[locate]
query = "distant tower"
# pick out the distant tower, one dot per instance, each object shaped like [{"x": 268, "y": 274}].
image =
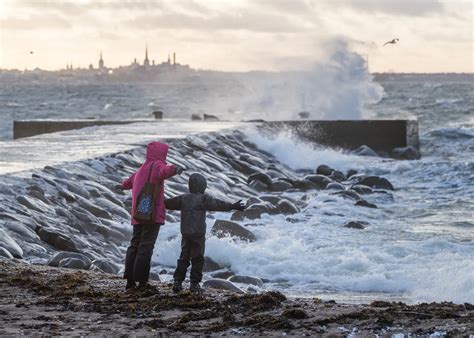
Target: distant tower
[
  {"x": 146, "y": 62},
  {"x": 153, "y": 62},
  {"x": 174, "y": 58},
  {"x": 101, "y": 62},
  {"x": 169, "y": 59}
]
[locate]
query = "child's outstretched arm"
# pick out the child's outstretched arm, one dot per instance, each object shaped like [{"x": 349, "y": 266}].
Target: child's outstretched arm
[
  {"x": 128, "y": 183},
  {"x": 173, "y": 203},
  {"x": 213, "y": 204},
  {"x": 167, "y": 171}
]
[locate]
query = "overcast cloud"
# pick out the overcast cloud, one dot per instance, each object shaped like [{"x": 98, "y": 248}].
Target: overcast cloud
[{"x": 237, "y": 35}]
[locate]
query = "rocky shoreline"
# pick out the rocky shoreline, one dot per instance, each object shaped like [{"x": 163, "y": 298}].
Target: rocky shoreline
[{"x": 43, "y": 300}]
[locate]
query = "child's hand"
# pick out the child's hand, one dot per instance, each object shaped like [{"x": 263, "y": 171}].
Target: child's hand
[
  {"x": 179, "y": 170},
  {"x": 118, "y": 187},
  {"x": 238, "y": 206}
]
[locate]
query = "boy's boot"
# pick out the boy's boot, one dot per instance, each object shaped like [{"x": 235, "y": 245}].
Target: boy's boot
[
  {"x": 177, "y": 286},
  {"x": 195, "y": 288},
  {"x": 130, "y": 285},
  {"x": 147, "y": 289}
]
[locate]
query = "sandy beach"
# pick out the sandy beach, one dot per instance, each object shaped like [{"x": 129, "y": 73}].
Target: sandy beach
[{"x": 42, "y": 300}]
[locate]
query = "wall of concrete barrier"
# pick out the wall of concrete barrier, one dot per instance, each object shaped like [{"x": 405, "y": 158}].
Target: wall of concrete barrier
[{"x": 380, "y": 135}]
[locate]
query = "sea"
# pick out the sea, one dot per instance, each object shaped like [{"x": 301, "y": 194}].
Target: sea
[{"x": 418, "y": 245}]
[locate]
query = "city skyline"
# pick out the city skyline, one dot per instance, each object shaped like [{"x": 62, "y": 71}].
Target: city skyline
[{"x": 434, "y": 36}]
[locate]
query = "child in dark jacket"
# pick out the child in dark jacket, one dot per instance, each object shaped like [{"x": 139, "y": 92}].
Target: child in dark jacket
[{"x": 193, "y": 208}]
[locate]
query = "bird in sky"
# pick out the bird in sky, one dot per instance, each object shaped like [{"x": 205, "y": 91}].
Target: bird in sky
[
  {"x": 394, "y": 41},
  {"x": 31, "y": 52}
]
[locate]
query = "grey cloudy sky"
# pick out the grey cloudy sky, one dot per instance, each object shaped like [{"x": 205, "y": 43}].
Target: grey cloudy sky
[{"x": 238, "y": 35}]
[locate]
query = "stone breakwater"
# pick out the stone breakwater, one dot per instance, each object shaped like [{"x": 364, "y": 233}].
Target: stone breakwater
[{"x": 70, "y": 215}]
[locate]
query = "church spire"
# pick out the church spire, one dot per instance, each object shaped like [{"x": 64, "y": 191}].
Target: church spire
[
  {"x": 101, "y": 61},
  {"x": 146, "y": 62}
]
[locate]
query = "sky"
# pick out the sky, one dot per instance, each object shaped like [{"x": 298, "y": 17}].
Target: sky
[{"x": 238, "y": 35}]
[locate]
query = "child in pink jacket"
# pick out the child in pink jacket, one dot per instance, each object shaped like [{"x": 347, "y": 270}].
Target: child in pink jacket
[{"x": 138, "y": 258}]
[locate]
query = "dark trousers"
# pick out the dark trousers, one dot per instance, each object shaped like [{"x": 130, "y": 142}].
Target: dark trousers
[
  {"x": 192, "y": 251},
  {"x": 138, "y": 258}
]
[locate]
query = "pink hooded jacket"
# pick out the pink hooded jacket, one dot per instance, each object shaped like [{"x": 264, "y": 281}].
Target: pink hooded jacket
[{"x": 156, "y": 161}]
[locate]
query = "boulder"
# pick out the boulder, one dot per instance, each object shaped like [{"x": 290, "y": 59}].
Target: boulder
[
  {"x": 320, "y": 181},
  {"x": 104, "y": 265},
  {"x": 364, "y": 203},
  {"x": 195, "y": 117},
  {"x": 222, "y": 284},
  {"x": 337, "y": 176},
  {"x": 73, "y": 263},
  {"x": 10, "y": 245},
  {"x": 210, "y": 265},
  {"x": 62, "y": 255},
  {"x": 246, "y": 280},
  {"x": 222, "y": 228},
  {"x": 286, "y": 207},
  {"x": 362, "y": 189},
  {"x": 303, "y": 115},
  {"x": 262, "y": 208},
  {"x": 55, "y": 239},
  {"x": 356, "y": 225},
  {"x": 5, "y": 253},
  {"x": 260, "y": 177},
  {"x": 34, "y": 204},
  {"x": 364, "y": 150},
  {"x": 350, "y": 194},
  {"x": 335, "y": 186},
  {"x": 93, "y": 209},
  {"x": 280, "y": 186},
  {"x": 406, "y": 153},
  {"x": 272, "y": 199},
  {"x": 351, "y": 172},
  {"x": 376, "y": 182},
  {"x": 158, "y": 114},
  {"x": 324, "y": 170},
  {"x": 222, "y": 274},
  {"x": 246, "y": 214},
  {"x": 305, "y": 185}
]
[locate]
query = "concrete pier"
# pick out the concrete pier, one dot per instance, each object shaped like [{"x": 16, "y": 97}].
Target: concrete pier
[
  {"x": 380, "y": 135},
  {"x": 27, "y": 128}
]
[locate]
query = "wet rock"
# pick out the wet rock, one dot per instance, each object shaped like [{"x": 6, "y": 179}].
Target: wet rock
[
  {"x": 305, "y": 185},
  {"x": 62, "y": 255},
  {"x": 34, "y": 204},
  {"x": 104, "y": 265},
  {"x": 105, "y": 204},
  {"x": 303, "y": 115},
  {"x": 320, "y": 181},
  {"x": 10, "y": 245},
  {"x": 56, "y": 240},
  {"x": 356, "y": 225},
  {"x": 295, "y": 314},
  {"x": 5, "y": 253},
  {"x": 246, "y": 214},
  {"x": 158, "y": 114},
  {"x": 335, "y": 186},
  {"x": 365, "y": 151},
  {"x": 93, "y": 209},
  {"x": 155, "y": 277},
  {"x": 73, "y": 263},
  {"x": 110, "y": 233},
  {"x": 265, "y": 179},
  {"x": 362, "y": 189},
  {"x": 222, "y": 274},
  {"x": 293, "y": 220},
  {"x": 247, "y": 280},
  {"x": 286, "y": 207},
  {"x": 272, "y": 199},
  {"x": 76, "y": 189},
  {"x": 67, "y": 195},
  {"x": 195, "y": 117},
  {"x": 376, "y": 182},
  {"x": 350, "y": 194},
  {"x": 338, "y": 176},
  {"x": 364, "y": 203},
  {"x": 262, "y": 208},
  {"x": 210, "y": 265},
  {"x": 222, "y": 284},
  {"x": 222, "y": 228},
  {"x": 406, "y": 153},
  {"x": 252, "y": 200},
  {"x": 259, "y": 186},
  {"x": 38, "y": 195},
  {"x": 351, "y": 172},
  {"x": 280, "y": 186},
  {"x": 324, "y": 170}
]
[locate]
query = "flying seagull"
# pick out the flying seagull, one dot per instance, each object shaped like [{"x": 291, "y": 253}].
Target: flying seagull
[
  {"x": 394, "y": 41},
  {"x": 31, "y": 52}
]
